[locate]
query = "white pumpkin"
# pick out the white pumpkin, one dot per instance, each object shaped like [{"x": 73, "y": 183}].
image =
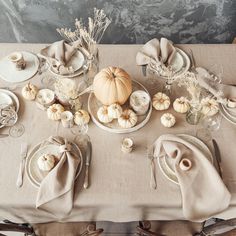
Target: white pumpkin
[
  {"x": 160, "y": 101},
  {"x": 128, "y": 119},
  {"x": 209, "y": 106},
  {"x": 46, "y": 162},
  {"x": 29, "y": 91},
  {"x": 81, "y": 117},
  {"x": 115, "y": 111},
  {"x": 54, "y": 111},
  {"x": 103, "y": 116},
  {"x": 181, "y": 105},
  {"x": 168, "y": 120}
]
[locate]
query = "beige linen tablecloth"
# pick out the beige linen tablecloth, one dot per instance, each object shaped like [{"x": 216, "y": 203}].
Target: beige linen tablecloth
[{"x": 119, "y": 188}]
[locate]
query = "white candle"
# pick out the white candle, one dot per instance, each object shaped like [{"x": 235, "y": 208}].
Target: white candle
[
  {"x": 45, "y": 98},
  {"x": 140, "y": 101},
  {"x": 127, "y": 145},
  {"x": 67, "y": 119},
  {"x": 18, "y": 60}
]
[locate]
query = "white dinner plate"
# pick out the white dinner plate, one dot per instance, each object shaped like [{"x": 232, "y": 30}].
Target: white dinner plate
[
  {"x": 226, "y": 115},
  {"x": 167, "y": 165},
  {"x": 10, "y": 74},
  {"x": 35, "y": 175},
  {"x": 77, "y": 61},
  {"x": 5, "y": 99},
  {"x": 14, "y": 98},
  {"x": 114, "y": 127},
  {"x": 230, "y": 111}
]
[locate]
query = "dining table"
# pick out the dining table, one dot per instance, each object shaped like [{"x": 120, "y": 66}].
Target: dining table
[{"x": 119, "y": 189}]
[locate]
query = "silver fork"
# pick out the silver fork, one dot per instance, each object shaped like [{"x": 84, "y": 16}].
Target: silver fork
[
  {"x": 23, "y": 155},
  {"x": 153, "y": 183}
]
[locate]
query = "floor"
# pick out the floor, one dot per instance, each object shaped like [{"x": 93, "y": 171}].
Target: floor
[{"x": 128, "y": 229}]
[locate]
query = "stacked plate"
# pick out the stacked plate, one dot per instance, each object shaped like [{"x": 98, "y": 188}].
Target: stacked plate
[
  {"x": 166, "y": 164},
  {"x": 8, "y": 99},
  {"x": 228, "y": 113},
  {"x": 36, "y": 175},
  {"x": 76, "y": 62},
  {"x": 180, "y": 63}
]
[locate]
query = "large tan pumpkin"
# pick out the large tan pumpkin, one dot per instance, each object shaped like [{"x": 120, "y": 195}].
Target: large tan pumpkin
[{"x": 112, "y": 85}]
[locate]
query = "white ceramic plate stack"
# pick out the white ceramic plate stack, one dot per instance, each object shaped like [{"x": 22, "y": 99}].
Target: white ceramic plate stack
[
  {"x": 8, "y": 98},
  {"x": 180, "y": 63},
  {"x": 10, "y": 74},
  {"x": 77, "y": 61},
  {"x": 166, "y": 164},
  {"x": 34, "y": 174},
  {"x": 113, "y": 127},
  {"x": 228, "y": 113}
]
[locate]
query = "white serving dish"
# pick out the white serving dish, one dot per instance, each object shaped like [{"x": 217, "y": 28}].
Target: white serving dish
[{"x": 113, "y": 127}]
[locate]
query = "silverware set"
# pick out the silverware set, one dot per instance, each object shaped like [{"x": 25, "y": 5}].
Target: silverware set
[
  {"x": 217, "y": 157},
  {"x": 87, "y": 164}
]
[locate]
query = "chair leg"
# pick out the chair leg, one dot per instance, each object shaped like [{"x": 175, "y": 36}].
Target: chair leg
[
  {"x": 221, "y": 226},
  {"x": 10, "y": 226}
]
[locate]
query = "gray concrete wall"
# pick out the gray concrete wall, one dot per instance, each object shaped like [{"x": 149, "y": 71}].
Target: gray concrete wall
[{"x": 133, "y": 21}]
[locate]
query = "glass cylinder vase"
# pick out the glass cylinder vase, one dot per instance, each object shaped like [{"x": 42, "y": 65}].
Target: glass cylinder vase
[{"x": 194, "y": 114}]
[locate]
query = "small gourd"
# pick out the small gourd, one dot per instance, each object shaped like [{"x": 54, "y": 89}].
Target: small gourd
[
  {"x": 114, "y": 111},
  {"x": 81, "y": 117},
  {"x": 103, "y": 116},
  {"x": 29, "y": 91},
  {"x": 54, "y": 111},
  {"x": 181, "y": 105},
  {"x": 168, "y": 120},
  {"x": 160, "y": 101},
  {"x": 128, "y": 119},
  {"x": 209, "y": 106},
  {"x": 46, "y": 162}
]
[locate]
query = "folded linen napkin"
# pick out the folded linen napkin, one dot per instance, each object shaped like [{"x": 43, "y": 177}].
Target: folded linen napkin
[
  {"x": 222, "y": 92},
  {"x": 58, "y": 55},
  {"x": 56, "y": 191},
  {"x": 156, "y": 52},
  {"x": 203, "y": 191}
]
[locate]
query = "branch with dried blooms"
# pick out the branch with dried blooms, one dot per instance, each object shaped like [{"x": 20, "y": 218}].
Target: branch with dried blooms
[
  {"x": 190, "y": 82},
  {"x": 87, "y": 37}
]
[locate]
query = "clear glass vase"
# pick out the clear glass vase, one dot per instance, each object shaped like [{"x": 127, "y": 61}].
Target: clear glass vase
[{"x": 194, "y": 115}]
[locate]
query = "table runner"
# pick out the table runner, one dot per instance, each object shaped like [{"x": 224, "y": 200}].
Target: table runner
[{"x": 119, "y": 188}]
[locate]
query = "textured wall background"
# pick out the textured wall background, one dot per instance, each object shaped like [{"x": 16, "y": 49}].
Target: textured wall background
[{"x": 133, "y": 21}]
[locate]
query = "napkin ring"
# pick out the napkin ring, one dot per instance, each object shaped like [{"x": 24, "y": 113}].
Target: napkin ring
[
  {"x": 65, "y": 148},
  {"x": 185, "y": 164}
]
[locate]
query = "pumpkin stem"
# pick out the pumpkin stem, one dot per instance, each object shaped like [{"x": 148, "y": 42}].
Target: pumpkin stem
[{"x": 114, "y": 76}]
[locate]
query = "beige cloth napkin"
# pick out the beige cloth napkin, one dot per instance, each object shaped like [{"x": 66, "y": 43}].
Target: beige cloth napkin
[
  {"x": 221, "y": 91},
  {"x": 58, "y": 55},
  {"x": 155, "y": 51},
  {"x": 203, "y": 191},
  {"x": 56, "y": 191}
]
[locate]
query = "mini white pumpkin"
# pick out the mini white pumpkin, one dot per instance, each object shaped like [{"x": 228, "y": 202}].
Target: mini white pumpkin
[
  {"x": 103, "y": 116},
  {"x": 54, "y": 111},
  {"x": 160, "y": 101},
  {"x": 209, "y": 106},
  {"x": 128, "y": 119},
  {"x": 115, "y": 111},
  {"x": 81, "y": 117},
  {"x": 168, "y": 120},
  {"x": 46, "y": 162},
  {"x": 29, "y": 91},
  {"x": 181, "y": 105}
]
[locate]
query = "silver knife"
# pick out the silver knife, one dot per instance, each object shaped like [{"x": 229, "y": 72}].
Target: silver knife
[
  {"x": 87, "y": 163},
  {"x": 4, "y": 135},
  {"x": 217, "y": 156}
]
